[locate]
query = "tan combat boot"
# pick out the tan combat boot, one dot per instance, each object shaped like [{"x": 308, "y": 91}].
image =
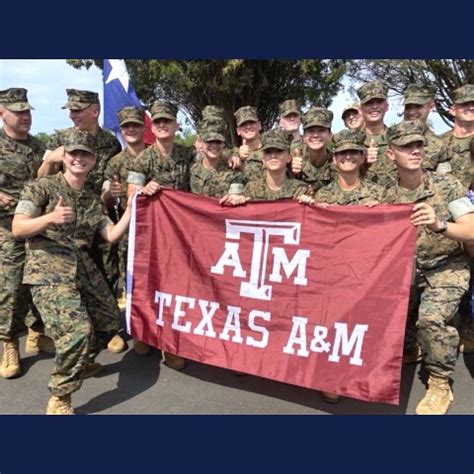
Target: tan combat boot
[
  {"x": 438, "y": 397},
  {"x": 60, "y": 405},
  {"x": 140, "y": 348},
  {"x": 11, "y": 359},
  {"x": 116, "y": 345},
  {"x": 91, "y": 370},
  {"x": 466, "y": 341},
  {"x": 37, "y": 342},
  {"x": 330, "y": 397},
  {"x": 173, "y": 361},
  {"x": 122, "y": 301}
]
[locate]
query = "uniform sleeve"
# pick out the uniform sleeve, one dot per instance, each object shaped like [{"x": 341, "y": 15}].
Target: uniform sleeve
[
  {"x": 138, "y": 173},
  {"x": 300, "y": 190},
  {"x": 237, "y": 184},
  {"x": 458, "y": 202},
  {"x": 54, "y": 142},
  {"x": 460, "y": 207},
  {"x": 33, "y": 199}
]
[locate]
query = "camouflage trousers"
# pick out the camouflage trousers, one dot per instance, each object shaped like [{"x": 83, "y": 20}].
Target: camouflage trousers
[
  {"x": 106, "y": 258},
  {"x": 15, "y": 299},
  {"x": 81, "y": 319},
  {"x": 434, "y": 300}
]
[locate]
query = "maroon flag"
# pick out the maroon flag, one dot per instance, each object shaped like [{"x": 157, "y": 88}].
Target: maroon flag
[{"x": 309, "y": 296}]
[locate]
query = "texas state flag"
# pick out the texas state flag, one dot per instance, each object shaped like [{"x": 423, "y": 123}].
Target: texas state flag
[{"x": 118, "y": 93}]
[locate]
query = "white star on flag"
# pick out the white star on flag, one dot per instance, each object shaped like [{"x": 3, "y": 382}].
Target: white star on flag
[{"x": 119, "y": 71}]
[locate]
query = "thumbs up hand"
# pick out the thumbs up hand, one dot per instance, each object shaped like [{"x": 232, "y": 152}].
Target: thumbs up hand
[
  {"x": 244, "y": 150},
  {"x": 115, "y": 187},
  {"x": 62, "y": 214},
  {"x": 297, "y": 161},
  {"x": 372, "y": 152}
]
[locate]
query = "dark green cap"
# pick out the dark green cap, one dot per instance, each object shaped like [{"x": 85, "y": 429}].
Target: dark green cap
[
  {"x": 406, "y": 132},
  {"x": 317, "y": 116},
  {"x": 418, "y": 94},
  {"x": 372, "y": 90},
  {"x": 464, "y": 94},
  {"x": 278, "y": 138},
  {"x": 15, "y": 99},
  {"x": 79, "y": 140},
  {"x": 80, "y": 100},
  {"x": 245, "y": 114},
  {"x": 212, "y": 112},
  {"x": 131, "y": 115},
  {"x": 288, "y": 107},
  {"x": 349, "y": 107},
  {"x": 163, "y": 109},
  {"x": 212, "y": 130},
  {"x": 349, "y": 140}
]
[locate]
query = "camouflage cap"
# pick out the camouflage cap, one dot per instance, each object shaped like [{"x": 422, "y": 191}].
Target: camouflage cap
[
  {"x": 349, "y": 139},
  {"x": 317, "y": 116},
  {"x": 79, "y": 140},
  {"x": 349, "y": 107},
  {"x": 212, "y": 112},
  {"x": 418, "y": 94},
  {"x": 405, "y": 132},
  {"x": 288, "y": 107},
  {"x": 245, "y": 114},
  {"x": 372, "y": 90},
  {"x": 212, "y": 130},
  {"x": 278, "y": 138},
  {"x": 131, "y": 115},
  {"x": 464, "y": 94},
  {"x": 15, "y": 99},
  {"x": 163, "y": 109},
  {"x": 80, "y": 100}
]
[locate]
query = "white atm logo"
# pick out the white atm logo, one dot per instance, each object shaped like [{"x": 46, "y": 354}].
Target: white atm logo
[{"x": 266, "y": 234}]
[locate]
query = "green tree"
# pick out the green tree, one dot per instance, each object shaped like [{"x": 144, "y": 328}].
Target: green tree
[
  {"x": 232, "y": 83},
  {"x": 44, "y": 137},
  {"x": 445, "y": 75}
]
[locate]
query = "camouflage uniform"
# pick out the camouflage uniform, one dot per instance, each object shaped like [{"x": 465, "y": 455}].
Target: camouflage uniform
[
  {"x": 383, "y": 171},
  {"x": 288, "y": 107},
  {"x": 19, "y": 162},
  {"x": 221, "y": 180},
  {"x": 69, "y": 291},
  {"x": 171, "y": 171},
  {"x": 442, "y": 273},
  {"x": 322, "y": 174},
  {"x": 458, "y": 156},
  {"x": 292, "y": 188},
  {"x": 366, "y": 191},
  {"x": 106, "y": 146},
  {"x": 253, "y": 166},
  {"x": 435, "y": 148}
]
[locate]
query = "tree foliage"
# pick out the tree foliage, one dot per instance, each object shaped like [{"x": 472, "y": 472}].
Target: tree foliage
[
  {"x": 445, "y": 75},
  {"x": 233, "y": 83}
]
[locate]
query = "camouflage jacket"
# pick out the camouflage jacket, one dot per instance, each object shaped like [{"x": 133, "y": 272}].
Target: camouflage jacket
[
  {"x": 383, "y": 171},
  {"x": 253, "y": 165},
  {"x": 106, "y": 146},
  {"x": 317, "y": 176},
  {"x": 215, "y": 182},
  {"x": 432, "y": 249},
  {"x": 435, "y": 151},
  {"x": 458, "y": 158},
  {"x": 171, "y": 171},
  {"x": 19, "y": 163},
  {"x": 366, "y": 192},
  {"x": 51, "y": 257},
  {"x": 259, "y": 190}
]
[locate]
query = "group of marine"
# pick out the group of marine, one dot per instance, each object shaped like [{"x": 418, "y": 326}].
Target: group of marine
[{"x": 65, "y": 208}]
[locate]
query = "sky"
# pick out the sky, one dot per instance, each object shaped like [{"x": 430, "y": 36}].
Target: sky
[{"x": 48, "y": 79}]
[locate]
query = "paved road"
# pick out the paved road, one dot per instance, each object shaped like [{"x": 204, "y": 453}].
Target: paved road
[{"x": 134, "y": 385}]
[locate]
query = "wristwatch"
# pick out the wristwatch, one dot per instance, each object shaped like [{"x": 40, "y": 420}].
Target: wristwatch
[{"x": 444, "y": 227}]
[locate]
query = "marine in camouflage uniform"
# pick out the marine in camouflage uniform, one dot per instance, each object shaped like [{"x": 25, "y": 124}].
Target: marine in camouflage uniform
[
  {"x": 365, "y": 192},
  {"x": 152, "y": 165},
  {"x": 259, "y": 190},
  {"x": 419, "y": 101},
  {"x": 252, "y": 166},
  {"x": 354, "y": 118},
  {"x": 320, "y": 172},
  {"x": 458, "y": 158},
  {"x": 293, "y": 108},
  {"x": 69, "y": 291},
  {"x": 442, "y": 273},
  {"x": 20, "y": 160},
  {"x": 106, "y": 146},
  {"x": 211, "y": 177},
  {"x": 383, "y": 171}
]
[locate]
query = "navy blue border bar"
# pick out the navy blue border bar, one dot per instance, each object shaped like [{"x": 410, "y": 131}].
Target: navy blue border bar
[
  {"x": 236, "y": 444},
  {"x": 243, "y": 29}
]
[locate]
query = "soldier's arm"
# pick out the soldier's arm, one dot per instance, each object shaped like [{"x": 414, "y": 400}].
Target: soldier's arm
[
  {"x": 112, "y": 233},
  {"x": 52, "y": 161}
]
